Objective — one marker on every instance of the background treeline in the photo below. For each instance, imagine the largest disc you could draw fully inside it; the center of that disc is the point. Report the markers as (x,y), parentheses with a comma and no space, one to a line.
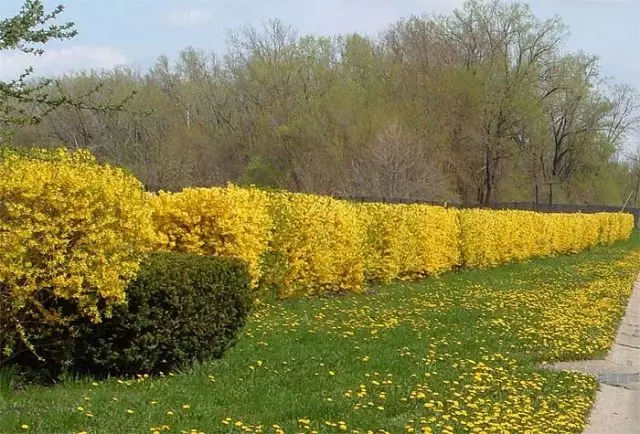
(485,104)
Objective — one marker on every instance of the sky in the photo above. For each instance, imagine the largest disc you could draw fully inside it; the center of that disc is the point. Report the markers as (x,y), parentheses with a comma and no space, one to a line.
(136,32)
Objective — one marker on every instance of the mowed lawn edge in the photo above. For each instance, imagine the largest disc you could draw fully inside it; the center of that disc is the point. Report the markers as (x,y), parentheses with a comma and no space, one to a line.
(450,354)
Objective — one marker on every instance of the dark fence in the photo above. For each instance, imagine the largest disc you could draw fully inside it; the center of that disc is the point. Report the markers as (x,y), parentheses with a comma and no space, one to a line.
(525,206)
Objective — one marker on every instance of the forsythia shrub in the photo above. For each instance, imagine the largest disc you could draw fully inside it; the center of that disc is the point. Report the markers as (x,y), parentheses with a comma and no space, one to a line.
(228,222)
(614,226)
(317,245)
(409,241)
(490,238)
(70,229)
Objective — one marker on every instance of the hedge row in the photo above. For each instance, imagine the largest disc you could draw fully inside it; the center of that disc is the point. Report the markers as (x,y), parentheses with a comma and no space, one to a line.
(490,238)
(306,244)
(75,232)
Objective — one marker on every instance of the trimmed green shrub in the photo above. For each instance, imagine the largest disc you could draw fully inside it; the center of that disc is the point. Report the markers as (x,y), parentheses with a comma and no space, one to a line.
(181,308)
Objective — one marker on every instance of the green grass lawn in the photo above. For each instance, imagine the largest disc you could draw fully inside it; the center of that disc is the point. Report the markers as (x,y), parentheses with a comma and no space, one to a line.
(450,354)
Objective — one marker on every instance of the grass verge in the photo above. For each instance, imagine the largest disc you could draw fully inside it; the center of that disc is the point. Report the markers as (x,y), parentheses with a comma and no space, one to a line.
(450,354)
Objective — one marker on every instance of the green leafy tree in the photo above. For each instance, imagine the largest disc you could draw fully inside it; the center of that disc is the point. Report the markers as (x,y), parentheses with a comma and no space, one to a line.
(25,99)
(27,32)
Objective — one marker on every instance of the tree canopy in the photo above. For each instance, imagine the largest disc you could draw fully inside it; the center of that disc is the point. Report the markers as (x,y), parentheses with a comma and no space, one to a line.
(484,104)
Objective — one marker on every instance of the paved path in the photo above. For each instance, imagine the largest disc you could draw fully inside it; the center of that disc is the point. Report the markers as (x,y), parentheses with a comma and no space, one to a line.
(617,407)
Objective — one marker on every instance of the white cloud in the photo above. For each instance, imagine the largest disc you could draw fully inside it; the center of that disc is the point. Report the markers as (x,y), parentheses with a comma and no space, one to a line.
(60,61)
(188,17)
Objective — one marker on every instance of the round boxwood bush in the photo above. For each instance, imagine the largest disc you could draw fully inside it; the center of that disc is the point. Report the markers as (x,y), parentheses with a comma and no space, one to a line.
(181,308)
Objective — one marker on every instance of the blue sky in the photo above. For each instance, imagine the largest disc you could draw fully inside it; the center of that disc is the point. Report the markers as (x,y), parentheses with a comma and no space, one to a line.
(136,32)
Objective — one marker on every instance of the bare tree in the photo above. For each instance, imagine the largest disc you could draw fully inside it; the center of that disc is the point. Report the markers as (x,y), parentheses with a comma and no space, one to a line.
(398,165)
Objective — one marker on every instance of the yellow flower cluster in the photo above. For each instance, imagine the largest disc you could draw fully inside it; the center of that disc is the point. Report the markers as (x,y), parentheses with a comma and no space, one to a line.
(228,221)
(490,238)
(409,241)
(316,245)
(70,229)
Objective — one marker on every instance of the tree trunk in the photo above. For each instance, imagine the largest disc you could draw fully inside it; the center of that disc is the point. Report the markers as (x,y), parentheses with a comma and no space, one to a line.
(637,189)
(488,194)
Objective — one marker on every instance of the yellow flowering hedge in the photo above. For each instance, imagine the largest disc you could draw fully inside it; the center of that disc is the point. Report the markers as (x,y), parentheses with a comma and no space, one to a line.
(303,244)
(228,221)
(409,241)
(490,238)
(317,245)
(614,226)
(70,229)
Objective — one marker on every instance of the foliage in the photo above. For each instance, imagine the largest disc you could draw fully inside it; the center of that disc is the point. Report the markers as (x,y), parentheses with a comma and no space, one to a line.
(27,32)
(409,241)
(317,242)
(181,308)
(454,351)
(25,100)
(490,238)
(228,221)
(484,104)
(70,229)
